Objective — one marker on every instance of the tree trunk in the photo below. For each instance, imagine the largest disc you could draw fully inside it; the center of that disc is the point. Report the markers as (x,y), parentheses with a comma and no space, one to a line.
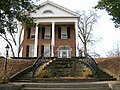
(85,49)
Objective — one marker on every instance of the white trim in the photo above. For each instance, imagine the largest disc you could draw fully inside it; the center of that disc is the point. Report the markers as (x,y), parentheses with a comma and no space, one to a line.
(42,20)
(59,7)
(36,41)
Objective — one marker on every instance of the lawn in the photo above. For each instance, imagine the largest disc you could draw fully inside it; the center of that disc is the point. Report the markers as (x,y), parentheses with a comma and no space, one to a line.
(14,66)
(111,65)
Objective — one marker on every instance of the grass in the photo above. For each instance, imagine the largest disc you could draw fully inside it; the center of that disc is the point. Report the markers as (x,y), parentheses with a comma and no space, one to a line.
(13,66)
(111,65)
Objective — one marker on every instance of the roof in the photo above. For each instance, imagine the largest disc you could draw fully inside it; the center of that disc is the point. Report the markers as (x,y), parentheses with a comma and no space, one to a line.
(60,7)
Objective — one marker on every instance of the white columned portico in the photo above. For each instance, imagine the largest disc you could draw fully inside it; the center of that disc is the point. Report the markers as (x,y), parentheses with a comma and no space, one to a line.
(36,40)
(53,39)
(76,32)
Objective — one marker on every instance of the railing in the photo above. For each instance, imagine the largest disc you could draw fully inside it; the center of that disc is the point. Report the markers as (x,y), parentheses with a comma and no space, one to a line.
(91,63)
(38,62)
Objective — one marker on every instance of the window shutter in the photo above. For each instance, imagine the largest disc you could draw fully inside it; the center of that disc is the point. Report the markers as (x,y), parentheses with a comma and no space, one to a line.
(38,33)
(37,50)
(68,32)
(59,32)
(42,49)
(50,50)
(27,51)
(51,32)
(43,32)
(29,32)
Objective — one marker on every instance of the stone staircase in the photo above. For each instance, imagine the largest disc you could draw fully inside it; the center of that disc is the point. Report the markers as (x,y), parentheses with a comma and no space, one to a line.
(66,86)
(71,67)
(27,77)
(103,76)
(64,68)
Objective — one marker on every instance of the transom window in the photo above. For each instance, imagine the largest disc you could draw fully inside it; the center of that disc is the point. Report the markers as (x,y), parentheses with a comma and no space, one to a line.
(64,48)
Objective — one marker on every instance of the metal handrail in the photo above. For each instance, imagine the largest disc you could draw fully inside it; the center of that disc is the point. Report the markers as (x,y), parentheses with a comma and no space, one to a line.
(38,62)
(90,62)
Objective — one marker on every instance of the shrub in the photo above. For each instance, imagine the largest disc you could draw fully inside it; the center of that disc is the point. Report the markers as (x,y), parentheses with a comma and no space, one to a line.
(87,73)
(43,74)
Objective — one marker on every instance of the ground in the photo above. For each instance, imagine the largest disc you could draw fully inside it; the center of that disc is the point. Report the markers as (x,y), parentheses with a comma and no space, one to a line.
(13,66)
(111,65)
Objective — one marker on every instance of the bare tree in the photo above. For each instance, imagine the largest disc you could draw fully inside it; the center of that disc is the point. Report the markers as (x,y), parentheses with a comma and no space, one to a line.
(10,38)
(85,26)
(115,52)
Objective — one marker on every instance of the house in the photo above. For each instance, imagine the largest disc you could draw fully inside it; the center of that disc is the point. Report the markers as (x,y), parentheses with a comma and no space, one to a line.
(55,32)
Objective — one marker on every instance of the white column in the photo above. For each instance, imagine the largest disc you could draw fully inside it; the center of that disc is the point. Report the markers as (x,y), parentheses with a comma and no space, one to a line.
(36,41)
(53,39)
(76,32)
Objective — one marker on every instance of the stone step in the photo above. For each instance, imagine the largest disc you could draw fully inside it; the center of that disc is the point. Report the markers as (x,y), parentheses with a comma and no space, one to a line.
(66,86)
(66,89)
(62,80)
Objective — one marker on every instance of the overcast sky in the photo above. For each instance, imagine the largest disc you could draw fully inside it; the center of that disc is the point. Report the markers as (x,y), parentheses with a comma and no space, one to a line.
(104,28)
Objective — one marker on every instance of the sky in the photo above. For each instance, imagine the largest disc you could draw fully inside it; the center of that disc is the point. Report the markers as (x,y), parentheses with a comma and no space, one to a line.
(104,28)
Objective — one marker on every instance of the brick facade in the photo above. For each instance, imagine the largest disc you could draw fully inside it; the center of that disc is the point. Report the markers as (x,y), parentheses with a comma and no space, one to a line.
(58,42)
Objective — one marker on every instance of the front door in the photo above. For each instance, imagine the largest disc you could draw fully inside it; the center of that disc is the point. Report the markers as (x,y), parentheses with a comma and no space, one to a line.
(64,54)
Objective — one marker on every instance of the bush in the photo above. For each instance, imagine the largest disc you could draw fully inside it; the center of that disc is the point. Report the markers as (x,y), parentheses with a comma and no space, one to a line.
(44,74)
(87,73)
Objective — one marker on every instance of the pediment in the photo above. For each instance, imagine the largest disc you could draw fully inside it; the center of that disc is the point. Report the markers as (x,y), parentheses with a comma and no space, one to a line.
(50,9)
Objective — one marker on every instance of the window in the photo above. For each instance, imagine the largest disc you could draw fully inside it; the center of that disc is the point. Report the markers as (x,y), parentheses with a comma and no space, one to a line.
(46,32)
(47,36)
(31,33)
(32,36)
(45,49)
(47,12)
(31,50)
(64,32)
(64,36)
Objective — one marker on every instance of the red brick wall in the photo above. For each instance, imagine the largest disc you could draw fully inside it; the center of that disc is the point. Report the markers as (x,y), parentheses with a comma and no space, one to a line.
(58,42)
(70,42)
